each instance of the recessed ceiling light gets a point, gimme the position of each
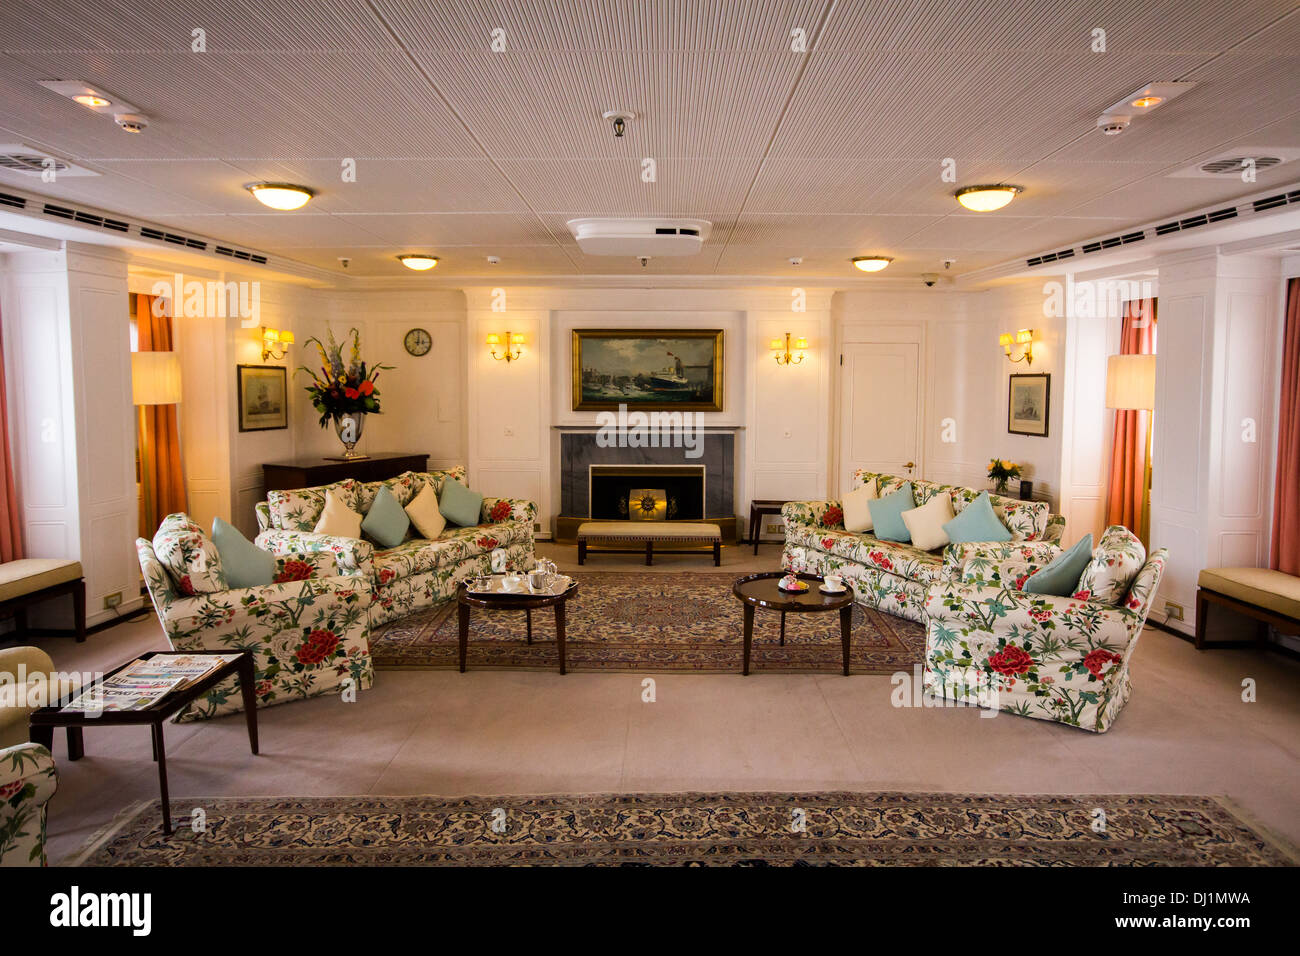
(1143, 102)
(418, 262)
(84, 94)
(93, 100)
(281, 196)
(871, 263)
(988, 197)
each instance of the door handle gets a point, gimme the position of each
(909, 466)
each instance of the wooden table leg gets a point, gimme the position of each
(649, 553)
(161, 749)
(559, 632)
(42, 736)
(717, 553)
(755, 520)
(846, 630)
(783, 628)
(529, 612)
(582, 551)
(248, 688)
(749, 635)
(79, 609)
(1202, 609)
(464, 634)
(76, 744)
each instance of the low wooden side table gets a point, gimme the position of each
(758, 508)
(521, 601)
(42, 722)
(760, 590)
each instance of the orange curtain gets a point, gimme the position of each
(11, 526)
(159, 446)
(1128, 454)
(1285, 550)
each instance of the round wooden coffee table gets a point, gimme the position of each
(760, 590)
(522, 601)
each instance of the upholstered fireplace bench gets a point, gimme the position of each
(647, 534)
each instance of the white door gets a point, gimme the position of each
(880, 411)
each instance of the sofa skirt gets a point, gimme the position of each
(874, 587)
(404, 596)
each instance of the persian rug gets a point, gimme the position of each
(692, 829)
(666, 621)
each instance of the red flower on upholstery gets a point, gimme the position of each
(319, 645)
(486, 542)
(10, 789)
(187, 587)
(1011, 660)
(1081, 595)
(1040, 614)
(832, 516)
(1134, 604)
(264, 688)
(1020, 582)
(386, 575)
(1099, 661)
(500, 512)
(295, 569)
(880, 560)
(828, 543)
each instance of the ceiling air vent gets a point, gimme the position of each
(1235, 161)
(1272, 202)
(85, 218)
(1050, 257)
(9, 199)
(29, 161)
(174, 238)
(239, 254)
(1235, 164)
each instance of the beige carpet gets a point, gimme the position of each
(646, 829)
(672, 621)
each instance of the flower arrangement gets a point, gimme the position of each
(339, 390)
(1002, 471)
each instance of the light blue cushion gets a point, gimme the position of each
(386, 521)
(977, 522)
(246, 565)
(887, 514)
(1061, 577)
(458, 504)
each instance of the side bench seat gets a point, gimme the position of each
(648, 534)
(32, 580)
(1270, 597)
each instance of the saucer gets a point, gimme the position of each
(832, 591)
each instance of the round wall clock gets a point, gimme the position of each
(418, 342)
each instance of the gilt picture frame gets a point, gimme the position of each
(648, 369)
(263, 392)
(1029, 404)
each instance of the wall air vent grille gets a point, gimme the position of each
(239, 254)
(9, 199)
(1272, 202)
(85, 218)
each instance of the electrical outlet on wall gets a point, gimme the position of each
(1174, 611)
(112, 600)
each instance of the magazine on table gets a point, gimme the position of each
(144, 682)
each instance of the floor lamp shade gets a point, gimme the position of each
(1131, 381)
(155, 378)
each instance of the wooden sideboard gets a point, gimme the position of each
(309, 472)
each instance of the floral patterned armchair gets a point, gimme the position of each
(309, 631)
(1054, 658)
(27, 781)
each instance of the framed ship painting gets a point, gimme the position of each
(263, 397)
(1028, 404)
(650, 369)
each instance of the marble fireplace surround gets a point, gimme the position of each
(579, 450)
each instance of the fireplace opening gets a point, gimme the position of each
(658, 492)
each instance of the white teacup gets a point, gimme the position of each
(834, 582)
(512, 582)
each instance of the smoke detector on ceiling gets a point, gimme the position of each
(641, 238)
(1239, 159)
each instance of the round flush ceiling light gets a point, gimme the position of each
(418, 263)
(283, 196)
(1145, 102)
(871, 263)
(93, 100)
(987, 198)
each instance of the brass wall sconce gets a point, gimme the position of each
(275, 343)
(512, 342)
(1024, 337)
(782, 351)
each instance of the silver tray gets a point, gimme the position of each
(561, 584)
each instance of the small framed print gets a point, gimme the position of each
(1028, 404)
(263, 397)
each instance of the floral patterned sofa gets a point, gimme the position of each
(895, 577)
(309, 631)
(1055, 658)
(418, 572)
(27, 781)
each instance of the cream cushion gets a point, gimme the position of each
(338, 518)
(857, 513)
(29, 575)
(42, 686)
(649, 531)
(425, 515)
(1265, 588)
(925, 523)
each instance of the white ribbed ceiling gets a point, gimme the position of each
(467, 152)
